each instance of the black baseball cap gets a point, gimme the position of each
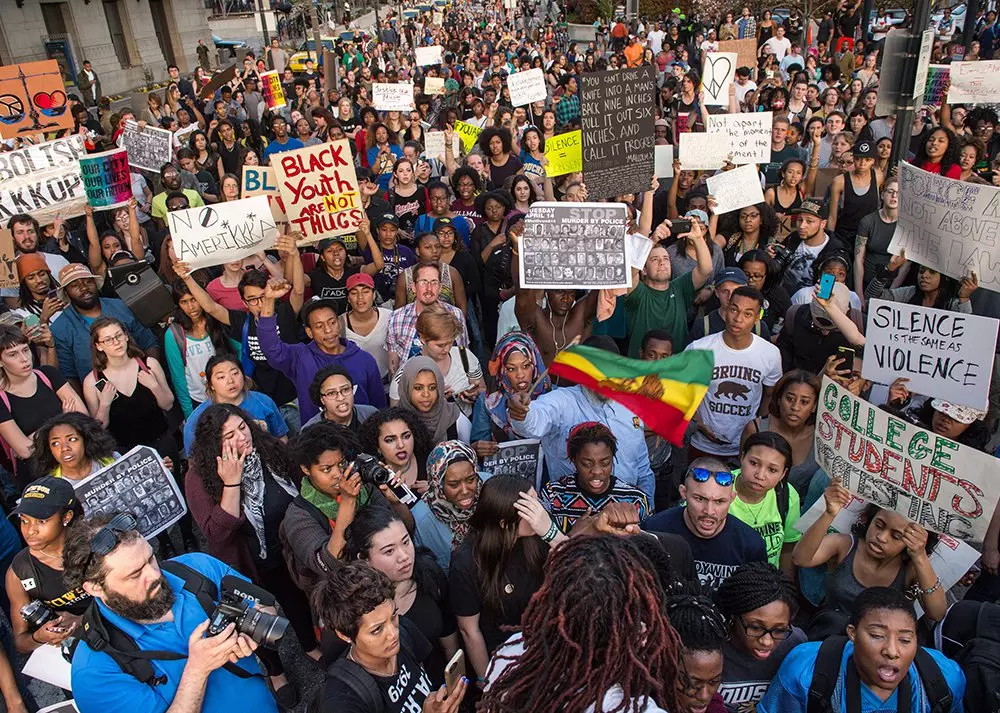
(45, 497)
(864, 149)
(812, 206)
(732, 274)
(444, 222)
(314, 304)
(327, 242)
(386, 218)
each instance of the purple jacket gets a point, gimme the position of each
(300, 362)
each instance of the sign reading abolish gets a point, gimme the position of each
(565, 154)
(223, 232)
(948, 225)
(944, 354)
(106, 179)
(43, 180)
(320, 190)
(928, 479)
(260, 181)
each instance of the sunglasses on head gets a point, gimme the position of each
(702, 475)
(106, 538)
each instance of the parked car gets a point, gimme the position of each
(307, 50)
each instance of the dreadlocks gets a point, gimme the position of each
(697, 621)
(752, 586)
(573, 656)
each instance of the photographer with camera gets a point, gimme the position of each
(43, 609)
(238, 490)
(163, 639)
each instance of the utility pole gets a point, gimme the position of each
(905, 105)
(969, 29)
(317, 43)
(263, 23)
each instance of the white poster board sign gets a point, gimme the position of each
(393, 97)
(974, 82)
(223, 232)
(748, 136)
(703, 152)
(663, 161)
(428, 55)
(735, 189)
(526, 87)
(46, 663)
(434, 86)
(718, 73)
(148, 148)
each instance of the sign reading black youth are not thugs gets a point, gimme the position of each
(136, 483)
(616, 110)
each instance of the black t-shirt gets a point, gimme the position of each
(231, 159)
(269, 380)
(31, 412)
(207, 183)
(431, 613)
(327, 287)
(46, 584)
(408, 208)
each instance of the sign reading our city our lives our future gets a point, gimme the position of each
(106, 179)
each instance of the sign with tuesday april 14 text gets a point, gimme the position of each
(944, 354)
(223, 232)
(931, 480)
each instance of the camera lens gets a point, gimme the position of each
(266, 629)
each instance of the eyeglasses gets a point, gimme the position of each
(107, 537)
(428, 283)
(778, 633)
(113, 339)
(703, 475)
(342, 393)
(253, 300)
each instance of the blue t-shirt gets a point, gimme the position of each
(101, 686)
(717, 558)
(261, 408)
(789, 689)
(274, 147)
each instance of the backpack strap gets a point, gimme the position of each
(783, 497)
(195, 582)
(360, 682)
(180, 338)
(935, 686)
(43, 378)
(826, 671)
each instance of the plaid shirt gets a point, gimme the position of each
(402, 339)
(747, 27)
(568, 109)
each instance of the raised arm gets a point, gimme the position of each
(94, 255)
(816, 546)
(703, 270)
(203, 298)
(293, 272)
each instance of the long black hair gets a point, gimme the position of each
(947, 291)
(214, 328)
(98, 443)
(951, 154)
(860, 529)
(369, 433)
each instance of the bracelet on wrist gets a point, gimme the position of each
(931, 590)
(232, 485)
(551, 534)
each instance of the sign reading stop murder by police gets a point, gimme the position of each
(319, 188)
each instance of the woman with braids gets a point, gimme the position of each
(591, 448)
(499, 566)
(566, 658)
(385, 651)
(702, 631)
(758, 602)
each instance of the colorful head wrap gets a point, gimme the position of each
(442, 456)
(496, 402)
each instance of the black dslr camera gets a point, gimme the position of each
(374, 474)
(233, 608)
(37, 614)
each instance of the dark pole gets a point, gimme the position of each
(969, 29)
(866, 24)
(904, 105)
(263, 23)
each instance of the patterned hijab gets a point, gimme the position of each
(444, 455)
(444, 413)
(496, 402)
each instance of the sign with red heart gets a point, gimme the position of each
(32, 99)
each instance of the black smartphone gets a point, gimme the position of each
(847, 354)
(52, 293)
(679, 227)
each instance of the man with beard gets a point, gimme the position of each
(111, 561)
(27, 234)
(80, 288)
(170, 178)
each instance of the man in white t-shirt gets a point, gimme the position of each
(812, 238)
(779, 44)
(655, 39)
(746, 367)
(744, 85)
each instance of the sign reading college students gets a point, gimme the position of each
(521, 458)
(616, 109)
(33, 99)
(931, 480)
(222, 232)
(106, 179)
(43, 180)
(948, 225)
(137, 483)
(148, 148)
(944, 354)
(569, 246)
(320, 190)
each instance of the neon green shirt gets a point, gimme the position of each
(766, 520)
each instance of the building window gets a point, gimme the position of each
(117, 30)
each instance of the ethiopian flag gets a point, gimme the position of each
(664, 394)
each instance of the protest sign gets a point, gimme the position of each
(393, 97)
(944, 354)
(616, 114)
(137, 483)
(526, 87)
(735, 189)
(8, 264)
(260, 181)
(568, 246)
(43, 180)
(718, 75)
(106, 179)
(703, 152)
(923, 64)
(32, 99)
(937, 81)
(219, 79)
(46, 663)
(948, 225)
(434, 145)
(931, 480)
(222, 232)
(468, 133)
(320, 190)
(748, 136)
(428, 55)
(149, 148)
(746, 51)
(565, 154)
(663, 161)
(522, 458)
(271, 89)
(434, 86)
(974, 82)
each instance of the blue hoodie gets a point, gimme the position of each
(300, 362)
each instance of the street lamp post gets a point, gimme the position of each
(905, 106)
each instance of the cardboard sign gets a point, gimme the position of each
(219, 79)
(320, 190)
(663, 161)
(527, 87)
(43, 180)
(748, 135)
(928, 479)
(717, 76)
(735, 189)
(260, 181)
(703, 152)
(8, 265)
(434, 86)
(569, 246)
(148, 149)
(271, 89)
(393, 97)
(565, 154)
(137, 483)
(434, 145)
(106, 179)
(33, 99)
(223, 232)
(937, 81)
(948, 225)
(469, 133)
(428, 55)
(974, 82)
(944, 354)
(746, 51)
(522, 458)
(616, 110)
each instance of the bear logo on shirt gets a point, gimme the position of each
(732, 389)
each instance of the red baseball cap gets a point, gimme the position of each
(360, 278)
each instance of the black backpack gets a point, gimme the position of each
(102, 635)
(980, 660)
(827, 672)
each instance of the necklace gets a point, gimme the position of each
(552, 324)
(754, 509)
